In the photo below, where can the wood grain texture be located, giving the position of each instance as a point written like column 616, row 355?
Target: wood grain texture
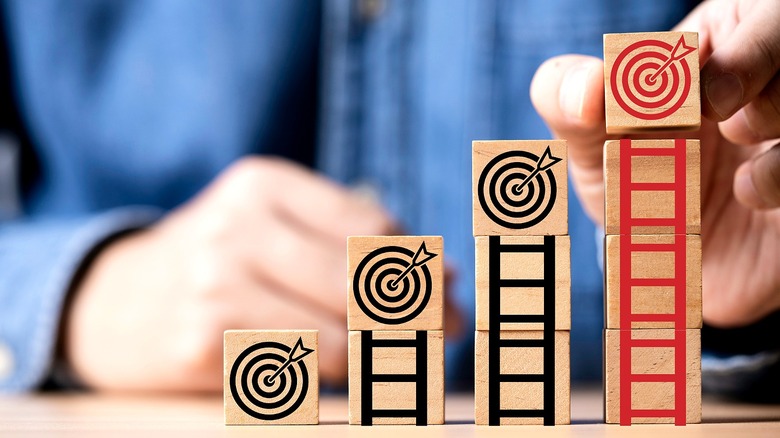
column 652, row 360
column 523, row 300
column 653, row 299
column 556, row 221
column 522, row 395
column 657, row 203
column 361, row 252
column 238, row 341
column 397, row 360
column 643, row 103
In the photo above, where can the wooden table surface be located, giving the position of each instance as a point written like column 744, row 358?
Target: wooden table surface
column 86, row 415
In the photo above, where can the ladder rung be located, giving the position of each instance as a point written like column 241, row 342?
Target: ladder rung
column 521, row 248
column 652, row 317
column 653, row 413
column 394, row 343
column 652, row 222
column 652, row 247
column 391, row 413
column 653, row 282
column 651, row 152
column 521, row 343
column 522, row 378
column 651, row 343
column 393, row 378
column 670, row 378
column 521, row 283
column 521, row 413
column 521, row 318
column 652, row 187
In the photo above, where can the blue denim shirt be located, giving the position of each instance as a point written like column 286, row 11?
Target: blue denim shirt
column 132, row 107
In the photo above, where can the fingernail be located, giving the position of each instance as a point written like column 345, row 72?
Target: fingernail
column 725, row 94
column 572, row 93
column 743, row 184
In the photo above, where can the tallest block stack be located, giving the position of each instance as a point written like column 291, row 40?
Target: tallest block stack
column 653, row 225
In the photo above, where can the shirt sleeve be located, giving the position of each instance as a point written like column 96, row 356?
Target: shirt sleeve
column 38, row 262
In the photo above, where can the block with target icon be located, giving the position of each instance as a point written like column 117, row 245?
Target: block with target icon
column 651, row 81
column 652, row 186
column 271, row 377
column 395, row 282
column 520, row 188
column 396, row 377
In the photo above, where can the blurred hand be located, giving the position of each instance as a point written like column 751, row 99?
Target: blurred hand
column 263, row 247
column 740, row 43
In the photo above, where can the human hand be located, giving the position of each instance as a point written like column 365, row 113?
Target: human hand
column 740, row 180
column 263, row 247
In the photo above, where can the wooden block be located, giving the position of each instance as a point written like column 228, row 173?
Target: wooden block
column 504, row 203
column 654, row 391
column 396, row 377
column 271, row 377
column 651, row 81
column 522, row 259
column 658, row 175
column 658, row 299
column 547, row 360
column 395, row 283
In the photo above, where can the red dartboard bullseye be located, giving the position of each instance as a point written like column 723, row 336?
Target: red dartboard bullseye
column 646, row 84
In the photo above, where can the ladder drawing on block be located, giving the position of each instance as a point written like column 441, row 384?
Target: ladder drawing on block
column 368, row 377
column 678, row 282
column 495, row 343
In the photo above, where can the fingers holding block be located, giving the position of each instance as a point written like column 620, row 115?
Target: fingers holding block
column 271, row 377
column 520, row 187
column 395, row 283
column 396, row 377
column 652, row 81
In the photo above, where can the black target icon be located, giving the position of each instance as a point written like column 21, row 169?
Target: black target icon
column 269, row 381
column 517, row 189
column 392, row 284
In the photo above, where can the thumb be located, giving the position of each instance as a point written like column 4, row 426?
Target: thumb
column 568, row 93
column 757, row 181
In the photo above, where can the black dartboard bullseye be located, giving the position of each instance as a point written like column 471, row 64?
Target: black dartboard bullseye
column 381, row 295
column 257, row 392
column 500, row 198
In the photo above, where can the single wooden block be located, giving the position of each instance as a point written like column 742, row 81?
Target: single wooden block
column 525, row 277
column 652, row 187
column 655, row 301
column 271, row 377
column 396, row 377
column 522, row 378
column 651, row 81
column 520, row 188
column 659, row 359
column 395, row 283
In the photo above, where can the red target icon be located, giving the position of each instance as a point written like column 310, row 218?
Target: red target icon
column 650, row 79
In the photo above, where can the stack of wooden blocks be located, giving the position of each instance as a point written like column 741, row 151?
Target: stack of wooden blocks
column 522, row 282
column 653, row 226
column 395, row 319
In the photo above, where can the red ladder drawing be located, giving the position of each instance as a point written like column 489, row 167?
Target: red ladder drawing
column 678, row 377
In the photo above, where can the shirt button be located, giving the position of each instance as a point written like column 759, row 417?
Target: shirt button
column 6, row 361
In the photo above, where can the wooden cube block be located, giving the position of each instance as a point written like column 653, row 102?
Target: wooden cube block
column 520, row 188
column 271, row 377
column 652, row 187
column 526, row 280
column 396, row 377
column 651, row 81
column 522, row 378
column 395, row 283
column 658, row 299
column 663, row 378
